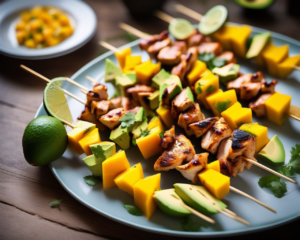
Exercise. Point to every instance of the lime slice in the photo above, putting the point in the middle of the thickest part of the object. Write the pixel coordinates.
(55, 101)
(213, 20)
(180, 28)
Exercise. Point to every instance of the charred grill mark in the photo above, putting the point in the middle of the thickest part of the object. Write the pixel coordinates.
(166, 160)
(93, 94)
(205, 123)
(238, 138)
(189, 56)
(195, 162)
(255, 76)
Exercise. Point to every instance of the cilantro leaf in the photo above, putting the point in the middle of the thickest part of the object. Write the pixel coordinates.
(145, 133)
(293, 166)
(133, 210)
(218, 62)
(187, 224)
(127, 120)
(206, 57)
(161, 135)
(274, 183)
(198, 88)
(210, 89)
(40, 28)
(222, 105)
(98, 152)
(55, 203)
(92, 180)
(133, 141)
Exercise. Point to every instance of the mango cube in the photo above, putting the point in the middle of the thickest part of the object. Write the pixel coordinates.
(287, 66)
(197, 69)
(203, 101)
(165, 115)
(259, 132)
(224, 36)
(146, 71)
(278, 108)
(239, 38)
(236, 116)
(219, 102)
(260, 61)
(121, 56)
(215, 182)
(215, 165)
(112, 167)
(156, 122)
(126, 180)
(131, 62)
(92, 137)
(150, 144)
(143, 192)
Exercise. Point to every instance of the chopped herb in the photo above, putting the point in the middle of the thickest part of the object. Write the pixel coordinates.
(133, 210)
(55, 16)
(222, 106)
(92, 180)
(145, 133)
(198, 88)
(254, 135)
(210, 89)
(55, 203)
(189, 225)
(206, 57)
(40, 29)
(293, 166)
(274, 183)
(127, 120)
(133, 141)
(98, 152)
(33, 17)
(30, 36)
(161, 135)
(218, 62)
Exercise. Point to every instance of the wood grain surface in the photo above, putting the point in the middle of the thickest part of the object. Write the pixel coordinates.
(25, 191)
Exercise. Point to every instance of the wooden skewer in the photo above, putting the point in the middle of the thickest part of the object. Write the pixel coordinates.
(234, 217)
(297, 68)
(108, 46)
(85, 92)
(252, 198)
(294, 112)
(134, 31)
(48, 80)
(230, 212)
(200, 215)
(189, 12)
(69, 124)
(269, 169)
(76, 83)
(91, 79)
(163, 16)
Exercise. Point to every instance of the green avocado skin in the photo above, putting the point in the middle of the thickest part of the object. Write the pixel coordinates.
(254, 4)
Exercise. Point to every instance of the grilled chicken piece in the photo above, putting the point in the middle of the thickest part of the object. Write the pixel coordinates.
(134, 91)
(172, 55)
(112, 118)
(86, 115)
(210, 47)
(191, 169)
(144, 101)
(134, 110)
(199, 128)
(196, 40)
(119, 102)
(213, 137)
(186, 63)
(249, 153)
(90, 97)
(181, 103)
(101, 90)
(257, 77)
(224, 150)
(250, 90)
(258, 106)
(154, 49)
(100, 108)
(228, 56)
(168, 138)
(190, 116)
(145, 43)
(268, 87)
(181, 150)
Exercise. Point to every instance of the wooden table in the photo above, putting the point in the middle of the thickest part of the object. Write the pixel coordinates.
(25, 191)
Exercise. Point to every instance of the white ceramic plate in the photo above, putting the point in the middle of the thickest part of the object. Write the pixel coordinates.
(70, 170)
(81, 16)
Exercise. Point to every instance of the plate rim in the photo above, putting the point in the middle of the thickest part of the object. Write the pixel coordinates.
(170, 232)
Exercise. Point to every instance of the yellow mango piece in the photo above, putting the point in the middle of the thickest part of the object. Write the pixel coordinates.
(88, 139)
(143, 192)
(126, 180)
(202, 99)
(236, 116)
(194, 75)
(121, 56)
(278, 108)
(224, 36)
(215, 182)
(132, 61)
(146, 71)
(287, 66)
(155, 122)
(165, 115)
(273, 56)
(150, 144)
(239, 38)
(259, 132)
(219, 102)
(215, 165)
(112, 167)
(207, 71)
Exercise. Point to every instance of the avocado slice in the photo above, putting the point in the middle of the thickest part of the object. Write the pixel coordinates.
(125, 81)
(258, 43)
(254, 4)
(111, 71)
(154, 100)
(227, 73)
(159, 78)
(121, 137)
(198, 198)
(273, 152)
(141, 115)
(170, 203)
(169, 89)
(139, 128)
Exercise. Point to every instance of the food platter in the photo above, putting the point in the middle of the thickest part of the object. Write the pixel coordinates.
(70, 170)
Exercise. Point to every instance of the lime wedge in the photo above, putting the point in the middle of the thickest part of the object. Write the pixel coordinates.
(180, 28)
(213, 20)
(55, 101)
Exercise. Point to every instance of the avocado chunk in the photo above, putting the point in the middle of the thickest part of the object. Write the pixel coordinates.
(227, 73)
(159, 78)
(254, 4)
(125, 81)
(169, 89)
(198, 198)
(258, 43)
(154, 100)
(139, 128)
(273, 152)
(111, 71)
(170, 203)
(121, 137)
(141, 115)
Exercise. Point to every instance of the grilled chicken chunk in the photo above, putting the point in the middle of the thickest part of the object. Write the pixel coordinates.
(140, 88)
(195, 40)
(154, 49)
(268, 87)
(112, 118)
(145, 43)
(134, 110)
(90, 97)
(119, 102)
(199, 128)
(100, 108)
(192, 115)
(228, 56)
(172, 55)
(101, 90)
(213, 137)
(210, 47)
(86, 115)
(168, 138)
(181, 103)
(241, 142)
(181, 150)
(191, 169)
(258, 106)
(250, 90)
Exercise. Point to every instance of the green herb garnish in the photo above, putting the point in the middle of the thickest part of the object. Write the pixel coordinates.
(133, 210)
(92, 180)
(55, 203)
(210, 89)
(275, 184)
(133, 141)
(293, 166)
(218, 62)
(189, 225)
(30, 36)
(198, 88)
(222, 106)
(127, 120)
(40, 29)
(98, 152)
(145, 133)
(161, 135)
(206, 57)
